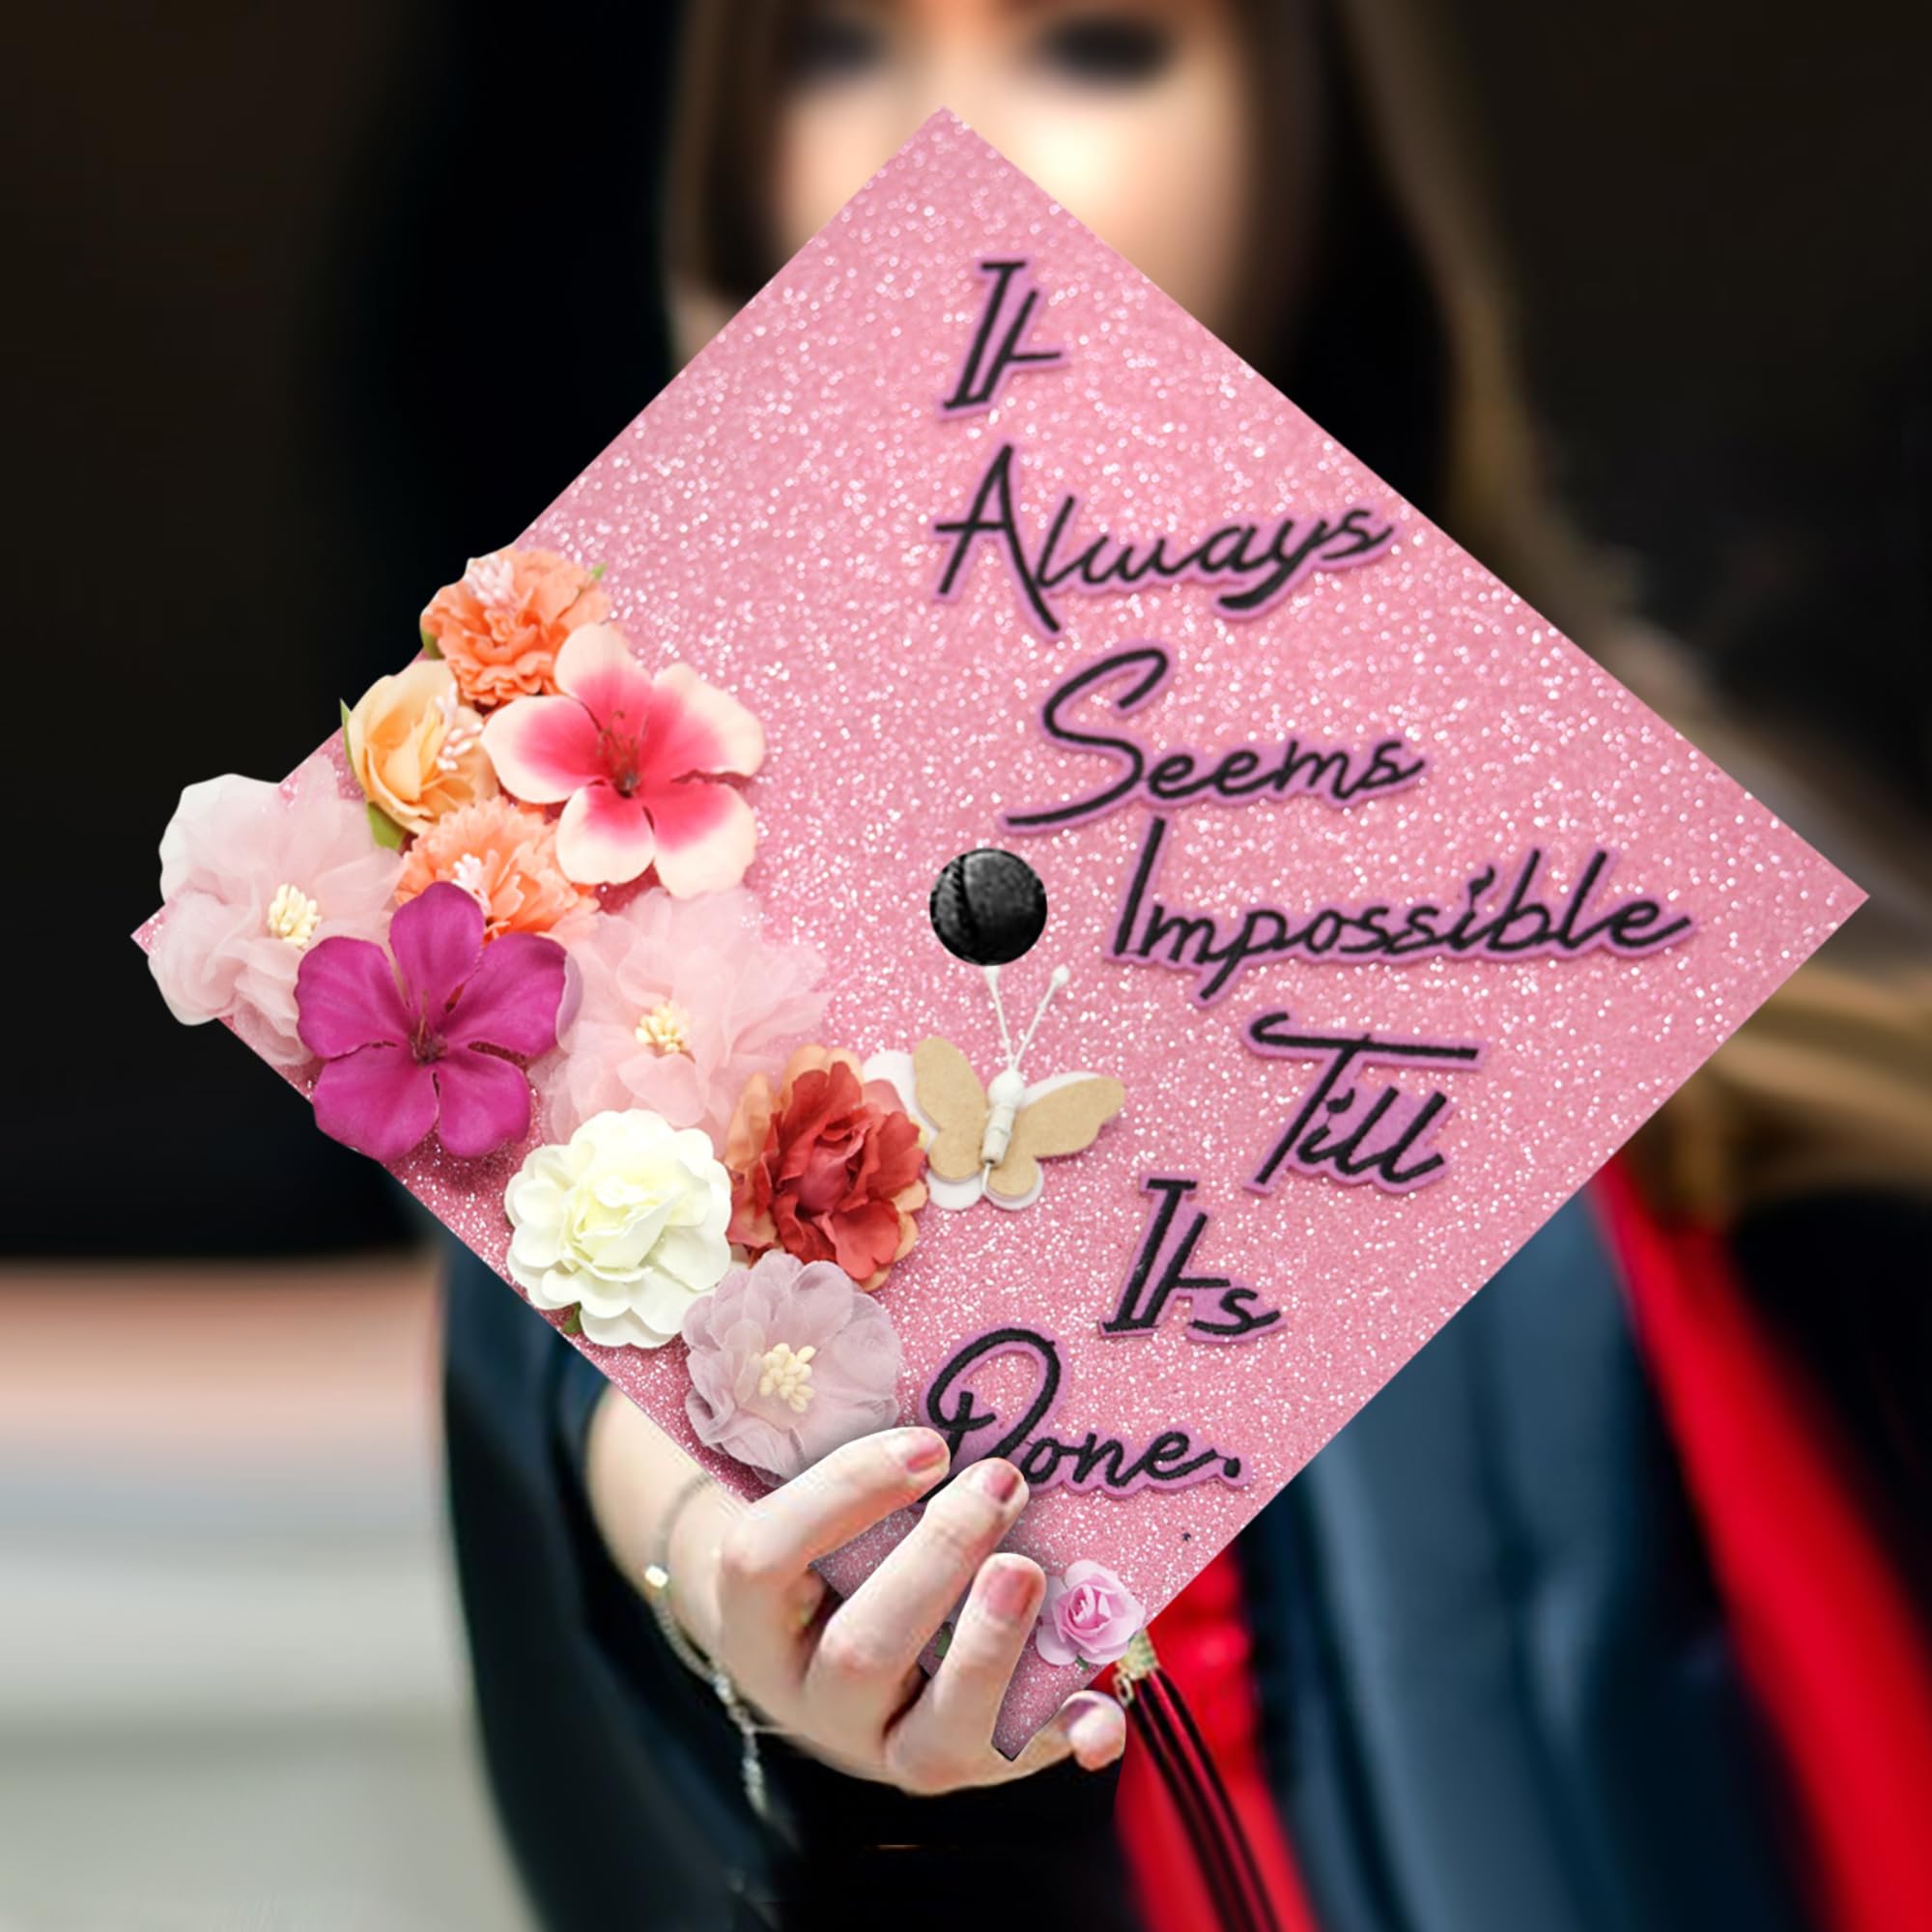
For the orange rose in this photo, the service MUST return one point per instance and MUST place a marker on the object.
(499, 628)
(829, 1169)
(415, 750)
(504, 856)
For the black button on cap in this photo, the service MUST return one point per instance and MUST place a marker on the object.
(988, 907)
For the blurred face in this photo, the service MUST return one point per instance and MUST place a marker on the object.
(1135, 114)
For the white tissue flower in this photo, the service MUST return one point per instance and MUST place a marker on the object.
(626, 1222)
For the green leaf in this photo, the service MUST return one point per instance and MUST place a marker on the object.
(1083, 1663)
(344, 725)
(597, 571)
(384, 830)
(431, 648)
(943, 1642)
(573, 1319)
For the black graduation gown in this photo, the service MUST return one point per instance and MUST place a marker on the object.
(1496, 1684)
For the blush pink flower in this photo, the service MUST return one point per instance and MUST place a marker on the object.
(427, 1042)
(636, 762)
(681, 1003)
(502, 624)
(1089, 1617)
(251, 881)
(504, 856)
(788, 1362)
(830, 1168)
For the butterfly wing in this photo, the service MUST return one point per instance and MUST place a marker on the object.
(1065, 1118)
(951, 1096)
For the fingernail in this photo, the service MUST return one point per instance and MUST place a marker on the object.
(999, 1480)
(921, 1451)
(1009, 1589)
(1095, 1734)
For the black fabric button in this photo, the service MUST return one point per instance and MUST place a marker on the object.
(988, 907)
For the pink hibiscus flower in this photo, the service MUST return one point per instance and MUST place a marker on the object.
(422, 1044)
(634, 761)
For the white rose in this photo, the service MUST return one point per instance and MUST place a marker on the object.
(626, 1221)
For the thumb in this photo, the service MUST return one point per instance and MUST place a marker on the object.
(1090, 1728)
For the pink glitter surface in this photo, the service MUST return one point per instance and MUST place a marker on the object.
(768, 520)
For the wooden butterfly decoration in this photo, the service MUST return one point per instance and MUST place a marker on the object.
(987, 1140)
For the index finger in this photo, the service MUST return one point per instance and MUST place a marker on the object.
(781, 1536)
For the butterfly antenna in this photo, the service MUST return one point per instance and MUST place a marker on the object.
(992, 974)
(1059, 979)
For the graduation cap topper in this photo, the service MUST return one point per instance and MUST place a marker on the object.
(1380, 916)
(988, 909)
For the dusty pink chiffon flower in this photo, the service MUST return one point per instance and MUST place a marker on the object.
(788, 1362)
(423, 1043)
(1088, 1617)
(636, 762)
(251, 881)
(681, 1003)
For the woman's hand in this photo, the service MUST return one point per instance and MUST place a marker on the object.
(842, 1678)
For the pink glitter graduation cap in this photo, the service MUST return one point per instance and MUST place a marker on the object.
(1361, 916)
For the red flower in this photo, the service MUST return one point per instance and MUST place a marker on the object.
(829, 1169)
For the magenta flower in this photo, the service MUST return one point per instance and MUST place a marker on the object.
(789, 1361)
(423, 1043)
(634, 760)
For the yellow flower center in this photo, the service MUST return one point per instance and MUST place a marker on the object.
(666, 1027)
(787, 1376)
(292, 916)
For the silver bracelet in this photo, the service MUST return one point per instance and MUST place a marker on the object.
(657, 1594)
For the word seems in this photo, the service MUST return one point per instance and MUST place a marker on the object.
(1333, 774)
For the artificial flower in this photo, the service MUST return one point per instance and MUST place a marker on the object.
(501, 627)
(504, 856)
(681, 1003)
(636, 762)
(830, 1167)
(789, 1361)
(251, 880)
(625, 1222)
(415, 748)
(1089, 1617)
(422, 1044)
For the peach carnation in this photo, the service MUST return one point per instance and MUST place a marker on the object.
(416, 748)
(504, 856)
(501, 626)
(830, 1168)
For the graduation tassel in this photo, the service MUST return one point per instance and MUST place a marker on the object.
(1172, 1740)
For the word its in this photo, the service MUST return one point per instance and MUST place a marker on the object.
(1149, 932)
(986, 368)
(1158, 1272)
(1266, 569)
(1372, 1144)
(1337, 776)
(1092, 1463)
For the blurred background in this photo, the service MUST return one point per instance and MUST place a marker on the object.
(310, 305)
